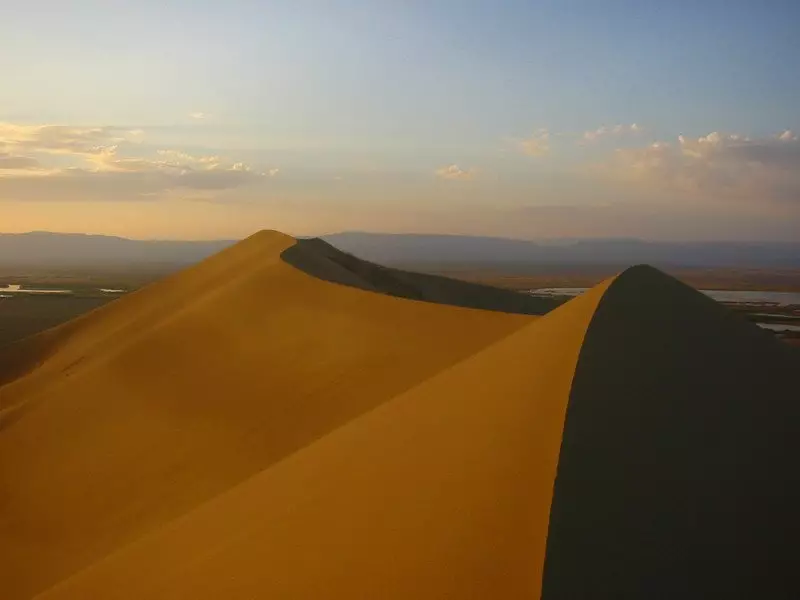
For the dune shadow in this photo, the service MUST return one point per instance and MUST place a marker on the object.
(677, 431)
(320, 259)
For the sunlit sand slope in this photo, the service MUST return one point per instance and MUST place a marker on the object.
(156, 403)
(273, 423)
(444, 492)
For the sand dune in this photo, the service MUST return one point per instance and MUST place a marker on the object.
(318, 258)
(170, 396)
(681, 430)
(265, 425)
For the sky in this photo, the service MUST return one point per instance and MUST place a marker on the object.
(528, 119)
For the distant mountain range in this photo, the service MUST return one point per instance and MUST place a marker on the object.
(453, 250)
(43, 248)
(55, 249)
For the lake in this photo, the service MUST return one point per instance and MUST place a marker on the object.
(727, 296)
(18, 289)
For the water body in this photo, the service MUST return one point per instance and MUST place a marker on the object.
(18, 289)
(754, 297)
(779, 327)
(727, 296)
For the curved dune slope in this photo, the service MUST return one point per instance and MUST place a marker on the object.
(282, 436)
(682, 429)
(444, 492)
(318, 258)
(156, 403)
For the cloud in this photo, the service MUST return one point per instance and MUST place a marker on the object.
(717, 166)
(62, 139)
(537, 145)
(102, 158)
(605, 131)
(199, 115)
(179, 169)
(454, 172)
(139, 183)
(787, 136)
(18, 163)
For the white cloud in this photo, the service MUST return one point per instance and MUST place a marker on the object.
(538, 144)
(787, 136)
(454, 172)
(179, 169)
(62, 139)
(605, 131)
(105, 157)
(717, 166)
(199, 115)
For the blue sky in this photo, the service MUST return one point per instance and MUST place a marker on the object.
(402, 115)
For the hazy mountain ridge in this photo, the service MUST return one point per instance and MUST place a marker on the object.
(399, 249)
(420, 249)
(38, 247)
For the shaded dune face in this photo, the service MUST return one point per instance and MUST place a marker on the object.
(320, 259)
(677, 476)
(285, 421)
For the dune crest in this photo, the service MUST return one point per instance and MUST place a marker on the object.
(320, 259)
(159, 401)
(677, 431)
(442, 492)
(265, 425)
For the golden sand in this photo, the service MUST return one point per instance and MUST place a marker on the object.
(243, 430)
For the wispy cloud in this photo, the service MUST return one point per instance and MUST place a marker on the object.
(179, 169)
(717, 166)
(606, 131)
(454, 172)
(22, 163)
(538, 144)
(199, 115)
(104, 157)
(62, 139)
